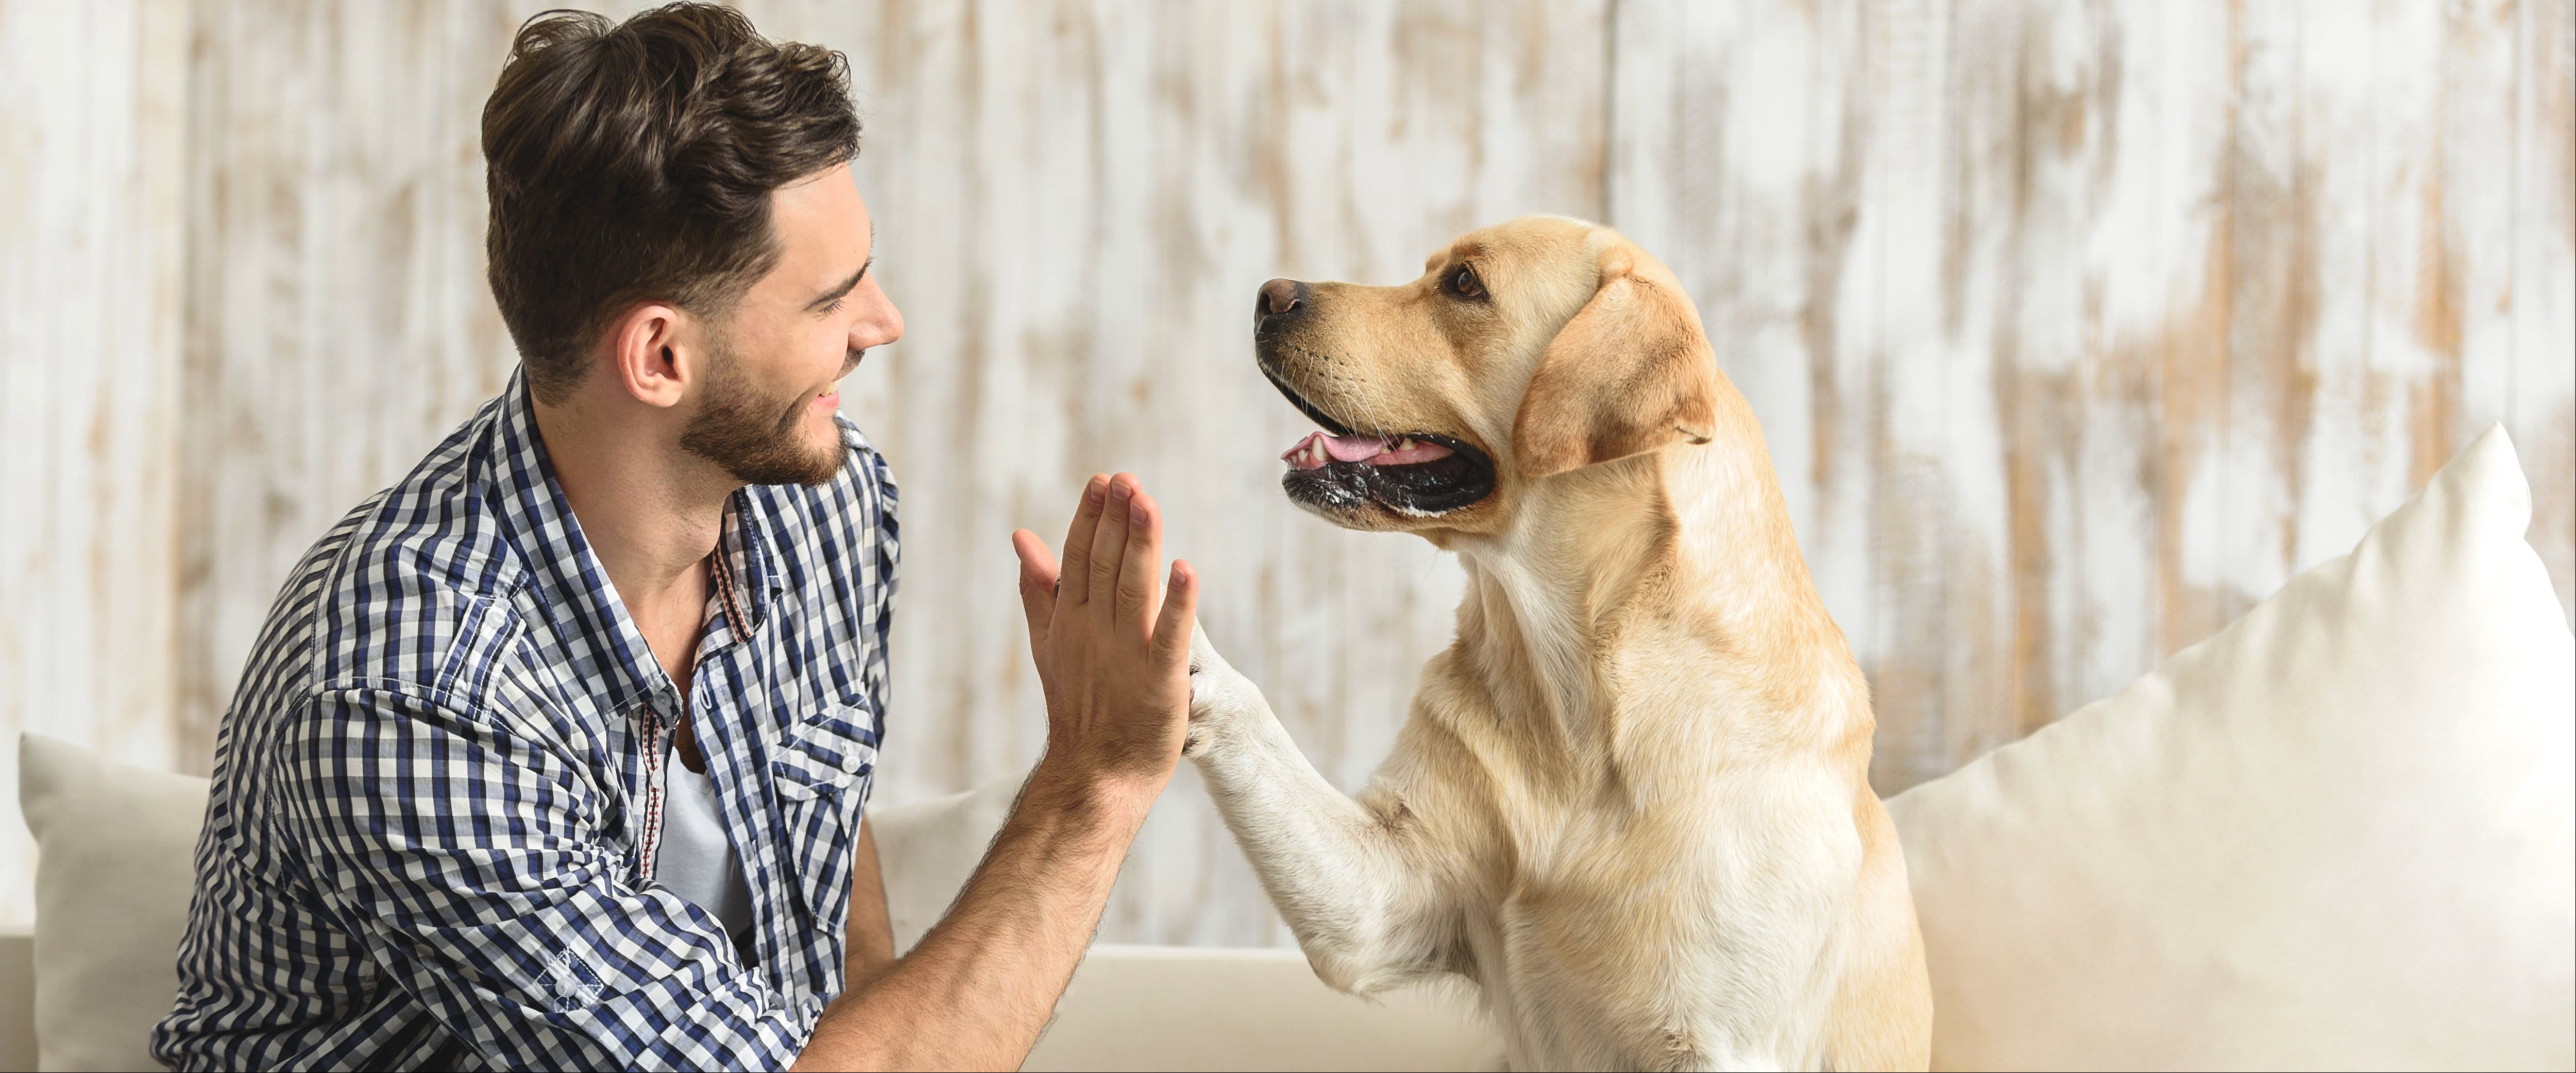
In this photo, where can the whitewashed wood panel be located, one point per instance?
(90, 140)
(2075, 328)
(338, 324)
(2542, 384)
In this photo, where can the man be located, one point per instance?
(552, 755)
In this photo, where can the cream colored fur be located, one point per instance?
(1631, 802)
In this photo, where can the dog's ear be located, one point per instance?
(1630, 373)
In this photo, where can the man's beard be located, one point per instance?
(755, 438)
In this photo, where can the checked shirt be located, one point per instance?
(435, 795)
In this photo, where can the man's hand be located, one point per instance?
(1112, 646)
(1114, 652)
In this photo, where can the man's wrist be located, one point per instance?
(1116, 799)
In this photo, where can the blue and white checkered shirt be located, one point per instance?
(436, 794)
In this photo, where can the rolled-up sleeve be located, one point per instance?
(470, 862)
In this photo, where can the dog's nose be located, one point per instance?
(1279, 299)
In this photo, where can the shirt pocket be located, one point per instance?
(821, 772)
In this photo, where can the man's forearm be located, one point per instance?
(978, 988)
(870, 944)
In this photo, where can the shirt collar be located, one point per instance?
(608, 649)
(750, 544)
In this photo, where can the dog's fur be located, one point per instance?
(1632, 800)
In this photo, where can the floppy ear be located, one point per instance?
(1630, 373)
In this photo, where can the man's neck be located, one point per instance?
(651, 512)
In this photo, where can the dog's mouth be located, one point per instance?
(1419, 474)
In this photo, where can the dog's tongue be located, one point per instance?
(1353, 448)
(1341, 448)
(1313, 451)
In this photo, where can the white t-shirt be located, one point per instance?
(695, 860)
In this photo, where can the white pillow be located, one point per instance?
(929, 849)
(116, 847)
(2341, 833)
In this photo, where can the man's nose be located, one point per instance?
(883, 324)
(1279, 300)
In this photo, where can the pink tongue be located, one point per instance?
(1354, 448)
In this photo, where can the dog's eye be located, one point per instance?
(1462, 281)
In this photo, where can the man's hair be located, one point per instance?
(634, 161)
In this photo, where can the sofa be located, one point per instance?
(2339, 833)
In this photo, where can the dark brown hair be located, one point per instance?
(633, 162)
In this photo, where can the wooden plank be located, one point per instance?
(338, 321)
(1890, 354)
(2543, 377)
(2338, 449)
(2173, 187)
(2463, 301)
(89, 406)
(1737, 152)
(2366, 87)
(2269, 263)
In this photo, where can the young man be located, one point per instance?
(553, 754)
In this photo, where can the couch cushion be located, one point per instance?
(1203, 1008)
(115, 847)
(2340, 833)
(929, 848)
(1169, 1007)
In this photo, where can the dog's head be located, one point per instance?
(1525, 350)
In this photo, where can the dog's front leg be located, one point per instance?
(1350, 882)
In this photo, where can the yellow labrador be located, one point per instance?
(1632, 800)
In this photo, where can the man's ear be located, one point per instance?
(1630, 373)
(647, 356)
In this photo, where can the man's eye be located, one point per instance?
(1462, 282)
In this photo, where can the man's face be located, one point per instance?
(775, 361)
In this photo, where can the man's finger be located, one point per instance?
(1037, 586)
(1077, 542)
(1180, 615)
(1109, 541)
(1141, 559)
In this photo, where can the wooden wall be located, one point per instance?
(91, 413)
(2075, 328)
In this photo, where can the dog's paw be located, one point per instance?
(1194, 743)
(1213, 704)
(1220, 698)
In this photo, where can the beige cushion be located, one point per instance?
(1166, 1007)
(115, 847)
(17, 1001)
(2338, 834)
(1199, 1008)
(928, 849)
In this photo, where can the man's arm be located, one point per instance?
(871, 930)
(1113, 652)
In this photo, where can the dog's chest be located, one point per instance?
(1615, 942)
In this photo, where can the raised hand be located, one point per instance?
(1111, 641)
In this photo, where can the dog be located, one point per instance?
(1631, 802)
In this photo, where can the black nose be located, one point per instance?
(1279, 300)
